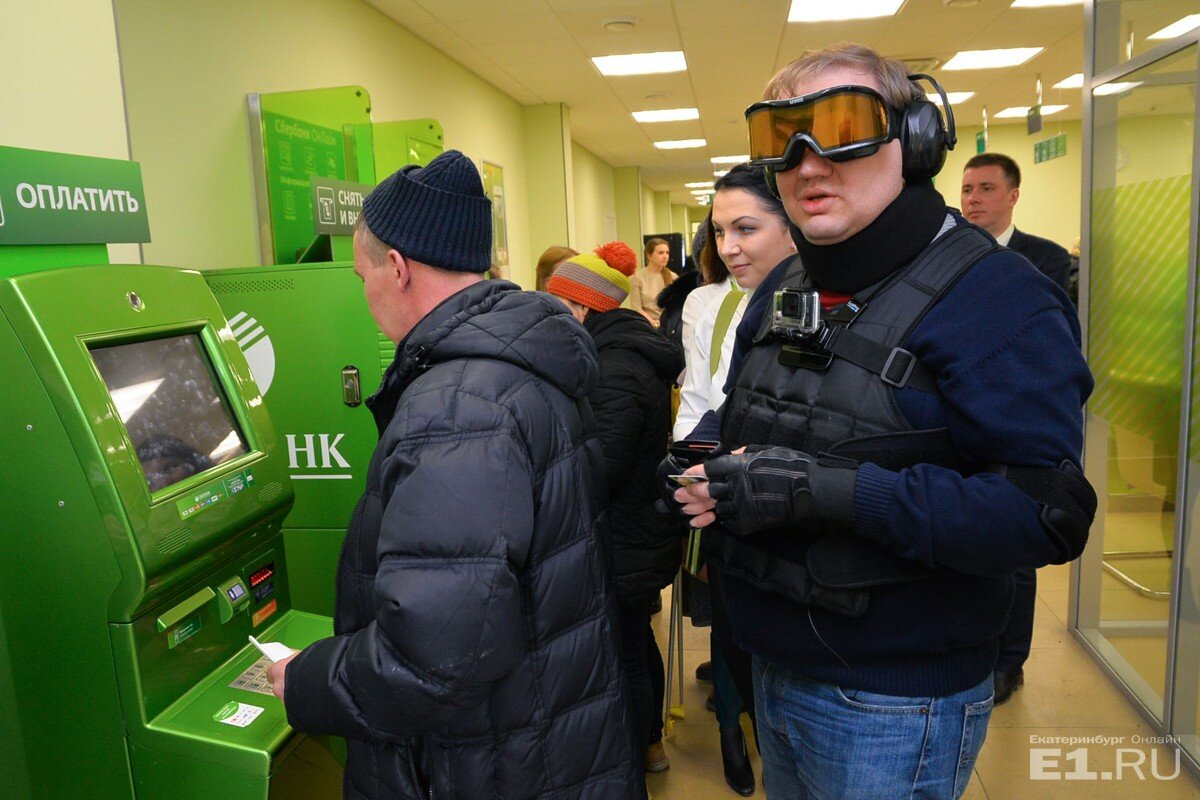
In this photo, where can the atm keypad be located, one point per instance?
(254, 679)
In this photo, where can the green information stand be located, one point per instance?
(311, 343)
(144, 495)
(294, 138)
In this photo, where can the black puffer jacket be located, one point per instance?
(475, 655)
(632, 403)
(671, 300)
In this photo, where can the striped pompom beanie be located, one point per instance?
(587, 280)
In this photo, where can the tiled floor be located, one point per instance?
(1065, 695)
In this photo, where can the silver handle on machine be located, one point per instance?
(351, 386)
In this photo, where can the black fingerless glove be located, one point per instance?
(777, 487)
(667, 504)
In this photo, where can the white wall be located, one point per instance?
(62, 83)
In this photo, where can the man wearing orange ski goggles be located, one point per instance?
(840, 123)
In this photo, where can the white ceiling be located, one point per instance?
(538, 51)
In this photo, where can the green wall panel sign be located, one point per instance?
(1047, 149)
(295, 137)
(297, 152)
(981, 142)
(56, 198)
(337, 204)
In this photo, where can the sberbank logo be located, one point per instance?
(256, 344)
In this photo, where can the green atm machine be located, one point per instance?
(143, 498)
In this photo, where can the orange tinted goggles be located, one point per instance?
(839, 123)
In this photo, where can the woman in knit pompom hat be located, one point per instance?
(632, 406)
(585, 283)
(619, 256)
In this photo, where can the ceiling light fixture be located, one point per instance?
(1116, 88)
(1019, 112)
(699, 185)
(729, 159)
(921, 64)
(720, 173)
(1045, 3)
(808, 11)
(667, 115)
(954, 97)
(1076, 82)
(681, 144)
(641, 63)
(1177, 28)
(992, 59)
(704, 193)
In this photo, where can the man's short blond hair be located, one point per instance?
(898, 90)
(374, 247)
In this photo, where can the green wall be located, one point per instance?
(1050, 191)
(628, 196)
(649, 211)
(547, 133)
(189, 66)
(662, 213)
(62, 85)
(594, 187)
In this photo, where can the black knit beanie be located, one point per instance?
(437, 214)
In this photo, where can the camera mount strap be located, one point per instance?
(895, 366)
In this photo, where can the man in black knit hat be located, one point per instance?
(909, 398)
(474, 651)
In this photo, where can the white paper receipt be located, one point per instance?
(237, 714)
(275, 651)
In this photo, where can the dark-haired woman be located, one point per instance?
(749, 236)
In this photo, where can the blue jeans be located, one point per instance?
(821, 742)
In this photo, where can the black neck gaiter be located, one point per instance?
(893, 240)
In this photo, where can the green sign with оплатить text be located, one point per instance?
(58, 198)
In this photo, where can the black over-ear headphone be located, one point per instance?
(924, 137)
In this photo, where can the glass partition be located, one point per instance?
(1125, 29)
(1141, 212)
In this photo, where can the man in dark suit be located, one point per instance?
(991, 186)
(990, 190)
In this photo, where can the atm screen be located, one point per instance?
(176, 413)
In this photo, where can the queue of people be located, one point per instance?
(867, 461)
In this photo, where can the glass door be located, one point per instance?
(1139, 332)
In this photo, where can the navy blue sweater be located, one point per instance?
(1004, 345)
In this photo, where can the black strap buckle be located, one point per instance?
(905, 367)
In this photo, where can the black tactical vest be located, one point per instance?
(844, 409)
